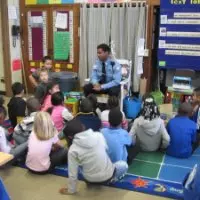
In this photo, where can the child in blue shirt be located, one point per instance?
(117, 138)
(183, 133)
(196, 110)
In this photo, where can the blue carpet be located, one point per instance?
(170, 175)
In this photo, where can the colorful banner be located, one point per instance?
(55, 1)
(43, 1)
(67, 1)
(31, 2)
(179, 34)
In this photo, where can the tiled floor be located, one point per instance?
(22, 185)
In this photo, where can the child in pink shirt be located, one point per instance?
(44, 148)
(52, 87)
(58, 111)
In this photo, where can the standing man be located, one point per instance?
(106, 74)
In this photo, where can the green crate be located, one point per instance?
(158, 97)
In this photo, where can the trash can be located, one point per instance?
(67, 80)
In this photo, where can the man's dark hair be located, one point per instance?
(115, 117)
(104, 47)
(57, 98)
(17, 88)
(45, 58)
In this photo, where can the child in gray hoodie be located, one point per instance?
(87, 150)
(149, 128)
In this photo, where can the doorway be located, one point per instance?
(5, 63)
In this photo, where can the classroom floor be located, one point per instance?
(160, 166)
(22, 185)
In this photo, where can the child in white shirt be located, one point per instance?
(5, 146)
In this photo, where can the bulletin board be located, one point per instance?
(179, 41)
(52, 30)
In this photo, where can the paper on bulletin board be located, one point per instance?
(55, 1)
(61, 45)
(12, 12)
(141, 47)
(37, 20)
(61, 20)
(31, 2)
(16, 65)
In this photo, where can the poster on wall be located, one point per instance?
(16, 65)
(179, 38)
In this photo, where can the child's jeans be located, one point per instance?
(121, 167)
(19, 150)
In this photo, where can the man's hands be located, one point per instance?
(97, 87)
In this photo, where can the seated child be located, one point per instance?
(34, 77)
(149, 128)
(93, 100)
(41, 89)
(23, 130)
(87, 116)
(6, 124)
(88, 151)
(52, 87)
(116, 137)
(16, 105)
(183, 133)
(44, 148)
(196, 110)
(113, 102)
(58, 111)
(5, 146)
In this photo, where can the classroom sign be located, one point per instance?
(179, 40)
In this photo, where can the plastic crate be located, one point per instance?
(158, 97)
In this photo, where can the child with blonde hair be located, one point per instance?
(41, 89)
(44, 148)
(34, 77)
